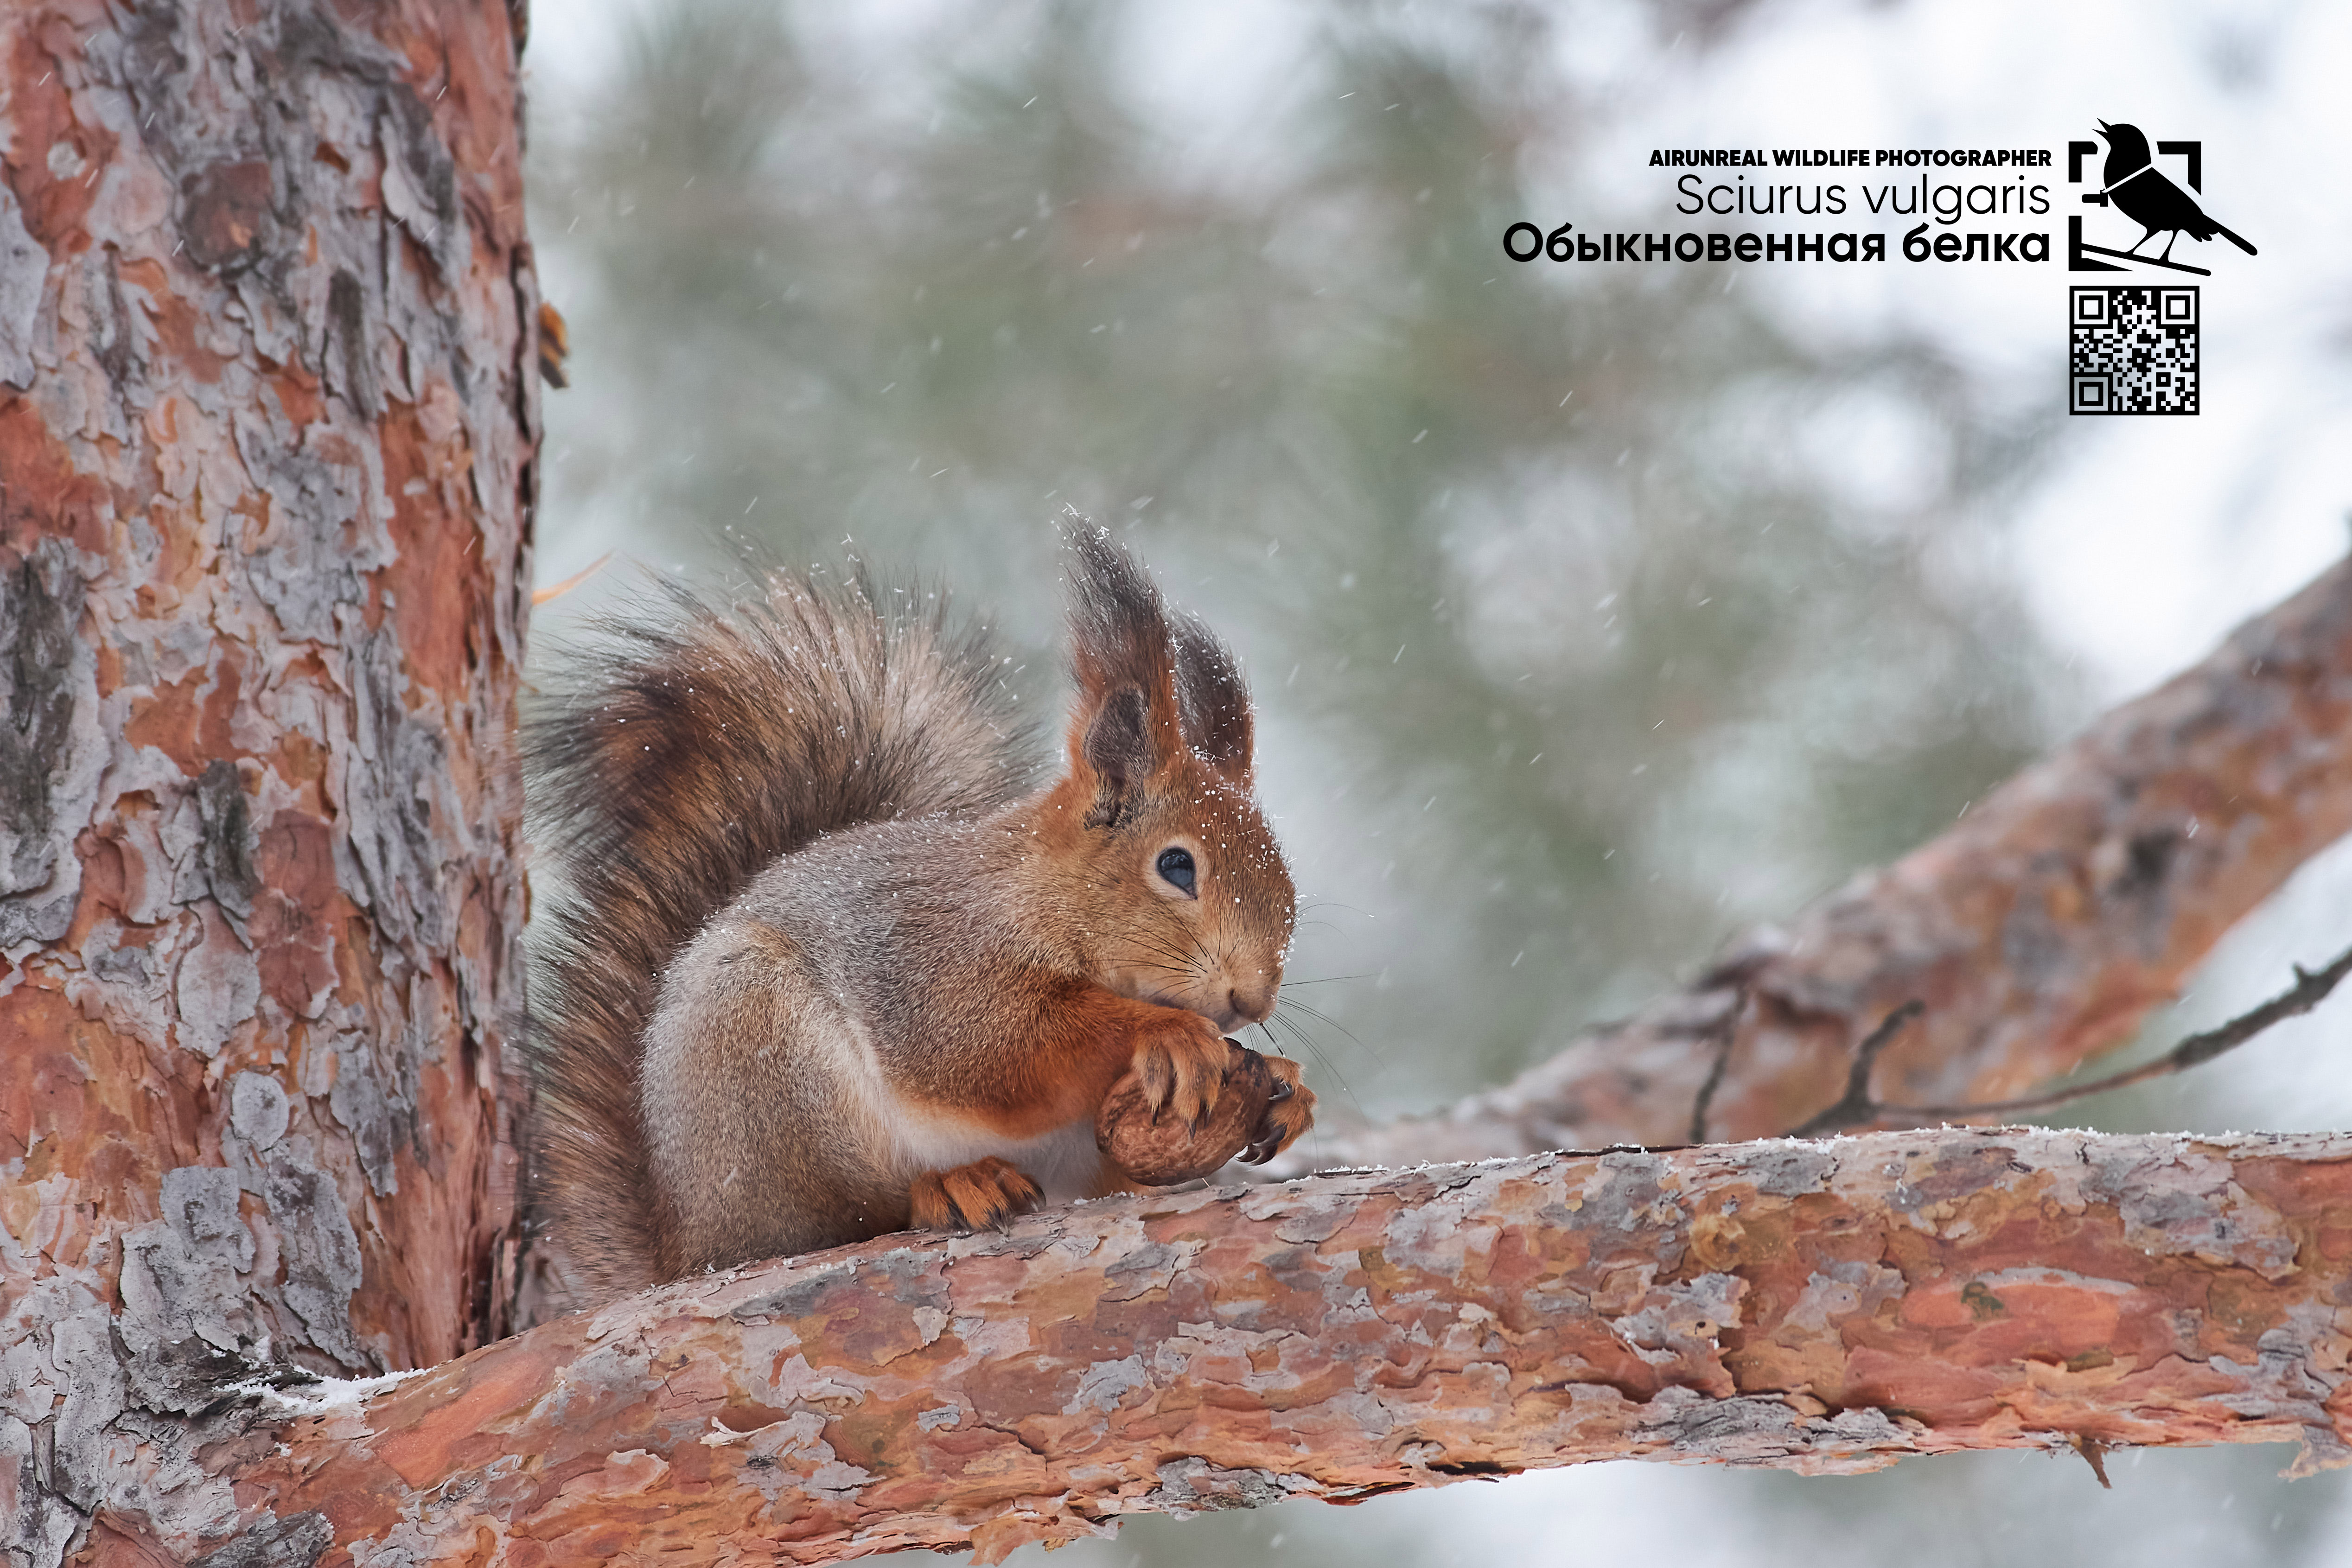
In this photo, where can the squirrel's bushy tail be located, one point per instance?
(686, 752)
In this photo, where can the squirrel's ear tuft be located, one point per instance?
(1128, 727)
(1214, 700)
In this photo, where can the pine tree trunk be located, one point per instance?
(267, 406)
(267, 402)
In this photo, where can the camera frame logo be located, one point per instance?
(2134, 349)
(2131, 183)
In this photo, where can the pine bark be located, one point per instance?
(267, 404)
(266, 416)
(1815, 1305)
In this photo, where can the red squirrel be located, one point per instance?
(830, 968)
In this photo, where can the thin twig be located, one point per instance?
(556, 591)
(1737, 973)
(2311, 987)
(1857, 1107)
(1729, 1037)
(2091, 1449)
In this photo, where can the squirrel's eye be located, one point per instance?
(1175, 865)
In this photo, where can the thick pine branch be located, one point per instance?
(259, 930)
(1826, 1306)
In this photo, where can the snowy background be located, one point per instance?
(1594, 612)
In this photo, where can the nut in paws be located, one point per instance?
(1259, 1108)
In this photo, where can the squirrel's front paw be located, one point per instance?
(1181, 1069)
(1261, 1106)
(987, 1192)
(1290, 1111)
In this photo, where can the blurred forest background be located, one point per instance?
(1593, 613)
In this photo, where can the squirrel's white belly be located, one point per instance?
(1065, 1161)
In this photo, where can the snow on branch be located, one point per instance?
(1815, 1305)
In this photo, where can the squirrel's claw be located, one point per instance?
(1289, 1111)
(988, 1193)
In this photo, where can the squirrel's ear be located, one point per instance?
(1114, 741)
(1128, 726)
(1214, 701)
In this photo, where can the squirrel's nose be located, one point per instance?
(1251, 1007)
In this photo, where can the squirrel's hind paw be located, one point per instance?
(988, 1192)
(1288, 1112)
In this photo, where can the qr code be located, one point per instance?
(2134, 351)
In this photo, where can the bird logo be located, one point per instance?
(2132, 184)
